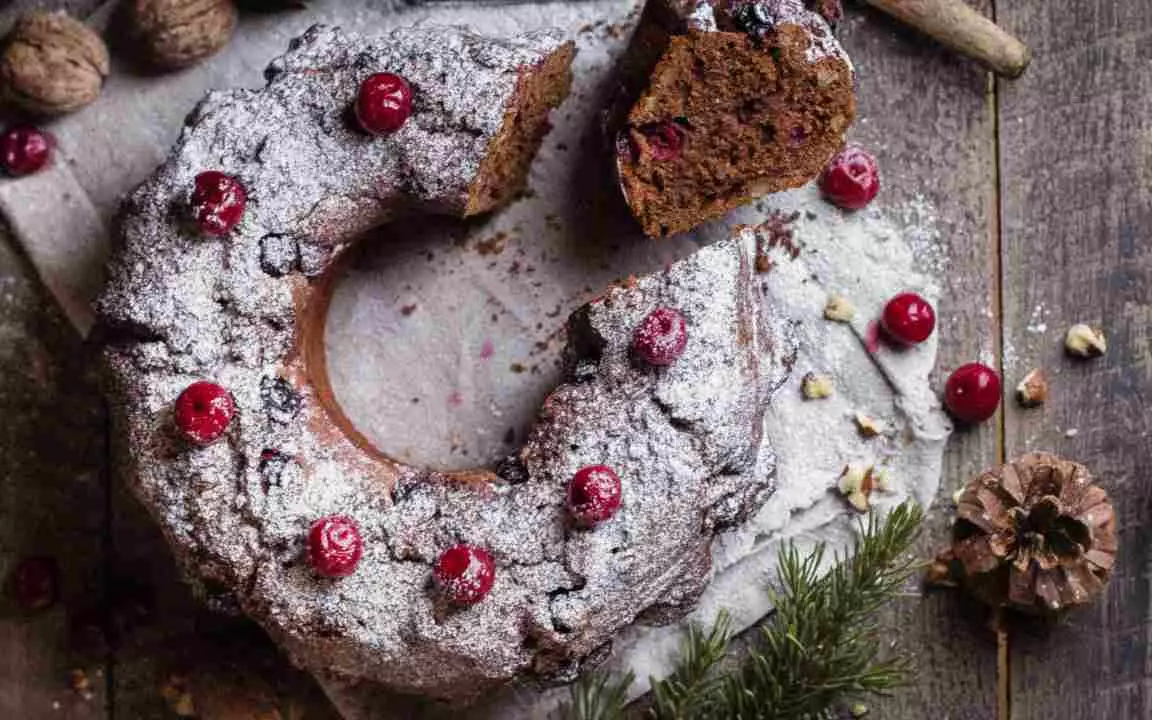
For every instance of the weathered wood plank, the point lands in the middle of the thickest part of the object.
(52, 499)
(928, 117)
(1077, 204)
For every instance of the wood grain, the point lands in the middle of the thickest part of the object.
(52, 499)
(961, 27)
(1077, 208)
(927, 115)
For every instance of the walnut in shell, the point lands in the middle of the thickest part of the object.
(52, 64)
(1036, 535)
(175, 34)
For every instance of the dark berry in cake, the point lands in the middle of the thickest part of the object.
(851, 179)
(334, 546)
(280, 399)
(661, 337)
(203, 412)
(25, 150)
(218, 202)
(384, 103)
(35, 583)
(279, 255)
(271, 467)
(465, 574)
(972, 393)
(664, 140)
(908, 319)
(594, 494)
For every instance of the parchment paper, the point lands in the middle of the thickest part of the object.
(443, 337)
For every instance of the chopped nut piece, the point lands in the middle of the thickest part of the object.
(1085, 341)
(80, 684)
(868, 426)
(880, 479)
(1033, 389)
(856, 486)
(839, 309)
(175, 692)
(816, 387)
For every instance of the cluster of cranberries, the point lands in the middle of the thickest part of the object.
(972, 393)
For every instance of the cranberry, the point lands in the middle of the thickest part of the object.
(334, 546)
(908, 319)
(35, 583)
(25, 150)
(665, 140)
(851, 179)
(972, 392)
(465, 574)
(218, 202)
(203, 412)
(594, 494)
(384, 103)
(661, 337)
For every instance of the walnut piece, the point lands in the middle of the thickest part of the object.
(1085, 341)
(839, 309)
(1033, 389)
(816, 387)
(52, 64)
(867, 425)
(175, 34)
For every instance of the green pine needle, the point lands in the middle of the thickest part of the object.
(598, 697)
(820, 648)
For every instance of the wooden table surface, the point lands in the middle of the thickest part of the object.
(1043, 190)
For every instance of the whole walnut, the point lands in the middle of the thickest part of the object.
(52, 64)
(175, 34)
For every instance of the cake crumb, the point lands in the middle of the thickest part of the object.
(493, 245)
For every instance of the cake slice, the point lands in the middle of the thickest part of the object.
(722, 102)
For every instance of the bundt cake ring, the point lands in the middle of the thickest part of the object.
(442, 584)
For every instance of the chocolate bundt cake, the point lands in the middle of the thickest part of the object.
(443, 584)
(721, 101)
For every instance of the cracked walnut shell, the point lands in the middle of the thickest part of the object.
(1036, 535)
(176, 34)
(52, 64)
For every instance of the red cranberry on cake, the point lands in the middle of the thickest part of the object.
(594, 494)
(384, 103)
(335, 546)
(203, 412)
(661, 337)
(218, 202)
(465, 574)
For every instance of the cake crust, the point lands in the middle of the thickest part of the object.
(247, 310)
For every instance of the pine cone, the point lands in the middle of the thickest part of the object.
(1035, 535)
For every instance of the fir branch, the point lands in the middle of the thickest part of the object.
(820, 647)
(689, 690)
(598, 697)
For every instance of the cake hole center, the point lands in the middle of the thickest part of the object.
(439, 350)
